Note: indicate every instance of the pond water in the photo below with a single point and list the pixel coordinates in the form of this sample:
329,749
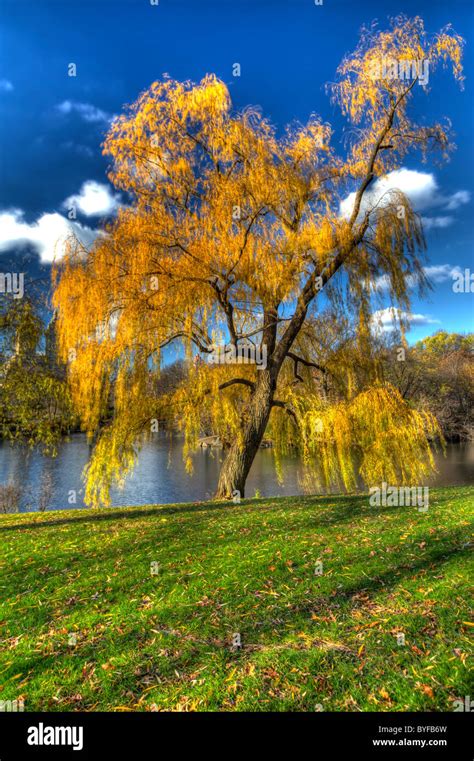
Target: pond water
160,477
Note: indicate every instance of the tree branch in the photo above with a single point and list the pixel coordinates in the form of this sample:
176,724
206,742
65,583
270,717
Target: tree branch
284,406
183,334
332,266
241,381
296,359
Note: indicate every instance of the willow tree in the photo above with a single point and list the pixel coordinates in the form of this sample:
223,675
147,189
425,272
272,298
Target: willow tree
235,234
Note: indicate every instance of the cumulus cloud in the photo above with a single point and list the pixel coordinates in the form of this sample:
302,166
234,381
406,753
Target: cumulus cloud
87,111
6,85
388,318
93,199
48,234
422,190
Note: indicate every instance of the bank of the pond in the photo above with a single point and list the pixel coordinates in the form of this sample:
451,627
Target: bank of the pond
339,606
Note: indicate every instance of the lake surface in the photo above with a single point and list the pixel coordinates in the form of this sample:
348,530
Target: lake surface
160,477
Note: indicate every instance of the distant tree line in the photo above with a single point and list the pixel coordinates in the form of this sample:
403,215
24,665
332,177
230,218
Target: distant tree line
438,373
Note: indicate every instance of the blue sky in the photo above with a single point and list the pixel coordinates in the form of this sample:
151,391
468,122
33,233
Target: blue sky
51,124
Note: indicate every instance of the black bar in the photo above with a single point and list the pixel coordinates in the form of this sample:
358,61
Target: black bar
155,735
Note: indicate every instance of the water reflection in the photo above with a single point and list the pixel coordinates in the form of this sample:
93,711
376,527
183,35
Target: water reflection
160,476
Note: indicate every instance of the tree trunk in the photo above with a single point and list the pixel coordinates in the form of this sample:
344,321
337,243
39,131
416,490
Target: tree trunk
239,458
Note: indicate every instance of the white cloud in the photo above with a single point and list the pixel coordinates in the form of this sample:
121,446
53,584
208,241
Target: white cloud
420,187
388,318
429,223
6,85
93,199
86,111
458,199
48,234
440,273
436,273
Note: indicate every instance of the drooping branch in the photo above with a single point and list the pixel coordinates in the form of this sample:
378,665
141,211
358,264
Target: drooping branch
310,290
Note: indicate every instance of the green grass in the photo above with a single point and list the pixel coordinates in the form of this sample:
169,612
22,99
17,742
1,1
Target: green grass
163,642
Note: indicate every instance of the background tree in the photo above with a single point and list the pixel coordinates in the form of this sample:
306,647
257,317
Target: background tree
231,235
446,381
435,374
35,404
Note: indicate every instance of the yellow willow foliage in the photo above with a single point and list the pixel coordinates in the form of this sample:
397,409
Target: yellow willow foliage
373,437
226,230
373,79
200,400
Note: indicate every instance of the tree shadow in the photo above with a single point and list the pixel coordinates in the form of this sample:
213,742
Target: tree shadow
353,504
192,653
128,513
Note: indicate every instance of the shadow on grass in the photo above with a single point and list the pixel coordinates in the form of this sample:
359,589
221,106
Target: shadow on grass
385,581
138,512
191,532
190,654
350,503
114,514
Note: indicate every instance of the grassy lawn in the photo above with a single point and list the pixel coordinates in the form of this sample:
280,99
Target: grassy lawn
86,625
